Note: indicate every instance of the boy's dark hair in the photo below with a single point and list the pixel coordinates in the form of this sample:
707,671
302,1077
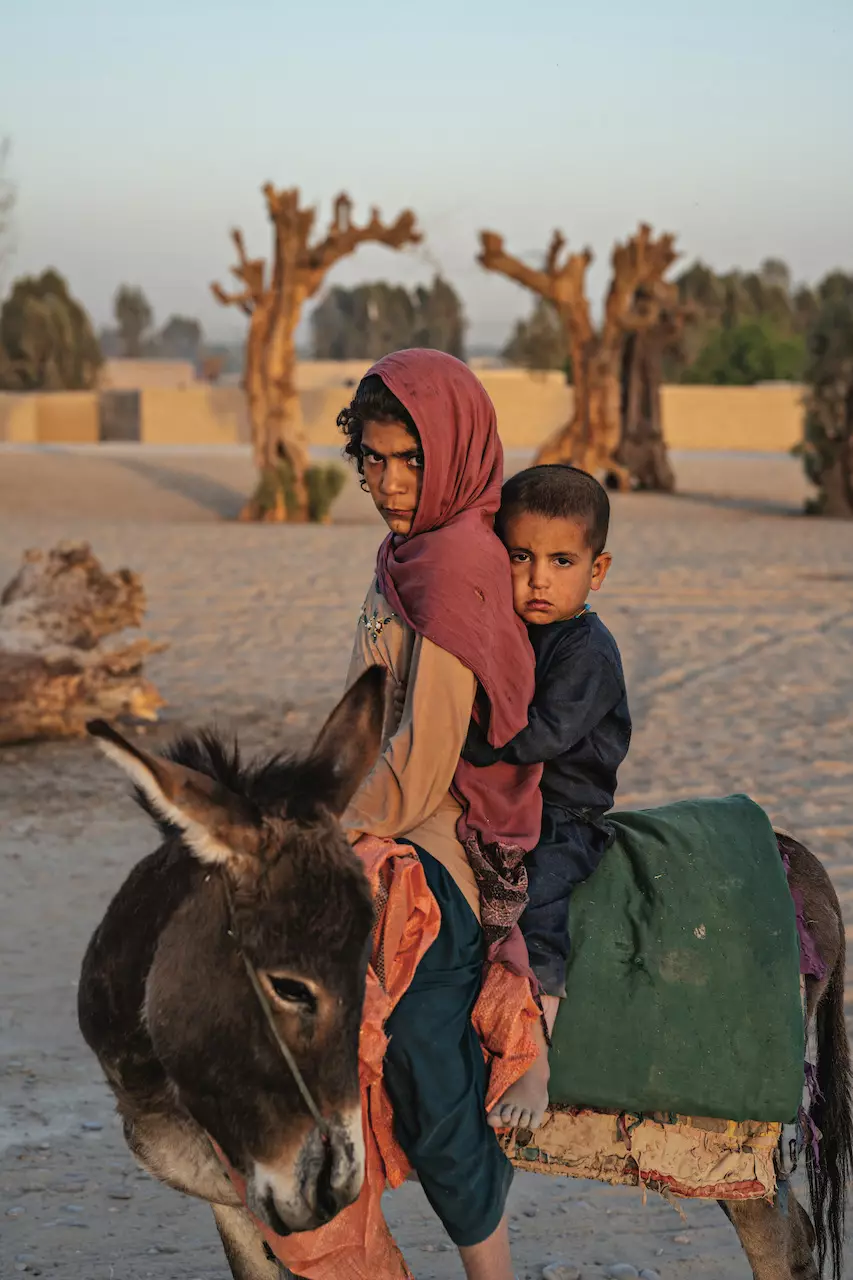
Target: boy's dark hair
558,491
372,402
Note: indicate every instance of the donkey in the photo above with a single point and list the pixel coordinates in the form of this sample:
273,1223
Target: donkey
222,992
222,995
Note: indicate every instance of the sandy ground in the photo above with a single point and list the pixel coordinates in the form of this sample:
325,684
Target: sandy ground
735,617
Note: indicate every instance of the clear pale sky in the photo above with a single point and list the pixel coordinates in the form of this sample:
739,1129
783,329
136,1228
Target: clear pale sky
141,132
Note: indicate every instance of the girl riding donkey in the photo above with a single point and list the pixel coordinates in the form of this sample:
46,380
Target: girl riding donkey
440,616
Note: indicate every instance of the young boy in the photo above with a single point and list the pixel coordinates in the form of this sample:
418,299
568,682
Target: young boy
553,521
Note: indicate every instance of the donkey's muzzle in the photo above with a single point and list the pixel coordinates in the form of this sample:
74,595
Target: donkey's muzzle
337,1181
326,1177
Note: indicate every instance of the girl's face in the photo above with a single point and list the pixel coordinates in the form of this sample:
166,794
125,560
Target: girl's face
393,471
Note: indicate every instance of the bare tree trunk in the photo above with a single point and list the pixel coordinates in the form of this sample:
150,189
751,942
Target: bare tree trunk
642,449
837,486
590,439
827,447
286,437
274,306
55,671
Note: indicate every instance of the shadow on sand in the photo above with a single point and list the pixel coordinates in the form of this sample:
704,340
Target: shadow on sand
211,494
748,503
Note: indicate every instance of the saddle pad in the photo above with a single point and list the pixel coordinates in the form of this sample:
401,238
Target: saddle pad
683,990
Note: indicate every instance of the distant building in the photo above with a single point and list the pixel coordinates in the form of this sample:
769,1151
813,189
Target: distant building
122,374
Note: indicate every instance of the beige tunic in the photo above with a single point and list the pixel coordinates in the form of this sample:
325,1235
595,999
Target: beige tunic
407,794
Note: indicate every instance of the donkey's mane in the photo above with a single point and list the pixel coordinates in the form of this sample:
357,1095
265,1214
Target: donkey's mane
272,782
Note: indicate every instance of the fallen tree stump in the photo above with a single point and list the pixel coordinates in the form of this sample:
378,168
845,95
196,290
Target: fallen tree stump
55,671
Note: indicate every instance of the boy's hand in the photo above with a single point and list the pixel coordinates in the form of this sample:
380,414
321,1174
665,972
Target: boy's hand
477,749
398,700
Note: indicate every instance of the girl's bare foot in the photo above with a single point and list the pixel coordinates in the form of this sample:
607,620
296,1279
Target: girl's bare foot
524,1104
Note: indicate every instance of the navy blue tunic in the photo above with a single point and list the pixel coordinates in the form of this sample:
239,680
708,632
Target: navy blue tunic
578,724
579,727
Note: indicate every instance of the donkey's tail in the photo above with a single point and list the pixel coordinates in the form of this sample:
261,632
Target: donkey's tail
830,1111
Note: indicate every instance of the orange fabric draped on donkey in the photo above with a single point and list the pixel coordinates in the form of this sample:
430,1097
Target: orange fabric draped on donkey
357,1244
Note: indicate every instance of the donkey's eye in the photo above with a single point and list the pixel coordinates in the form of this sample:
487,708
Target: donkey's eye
292,992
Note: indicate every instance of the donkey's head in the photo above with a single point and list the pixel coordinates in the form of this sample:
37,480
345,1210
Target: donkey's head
269,850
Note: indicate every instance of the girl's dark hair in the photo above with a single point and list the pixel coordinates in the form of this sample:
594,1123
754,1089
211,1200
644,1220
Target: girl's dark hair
372,402
558,491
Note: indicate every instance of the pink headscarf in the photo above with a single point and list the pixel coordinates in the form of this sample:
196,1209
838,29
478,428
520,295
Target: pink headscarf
449,580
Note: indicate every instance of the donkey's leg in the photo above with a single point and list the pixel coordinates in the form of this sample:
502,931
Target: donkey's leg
801,1240
248,1257
763,1231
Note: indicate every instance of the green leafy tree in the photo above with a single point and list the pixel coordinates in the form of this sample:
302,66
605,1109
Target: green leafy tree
746,327
750,351
439,319
7,208
47,338
372,319
331,325
180,339
805,306
390,319
362,323
775,274
134,318
539,341
827,447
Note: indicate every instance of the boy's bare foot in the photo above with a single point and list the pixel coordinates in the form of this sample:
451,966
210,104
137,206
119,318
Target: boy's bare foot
524,1103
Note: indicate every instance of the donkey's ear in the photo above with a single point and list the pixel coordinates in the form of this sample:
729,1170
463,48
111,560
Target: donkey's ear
215,823
350,739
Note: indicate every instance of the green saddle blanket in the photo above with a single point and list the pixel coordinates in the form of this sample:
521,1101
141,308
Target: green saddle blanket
683,990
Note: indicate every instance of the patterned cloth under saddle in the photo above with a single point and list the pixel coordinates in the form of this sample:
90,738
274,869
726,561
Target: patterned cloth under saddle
676,1155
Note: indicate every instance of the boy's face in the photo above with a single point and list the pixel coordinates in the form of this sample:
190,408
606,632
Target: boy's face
553,568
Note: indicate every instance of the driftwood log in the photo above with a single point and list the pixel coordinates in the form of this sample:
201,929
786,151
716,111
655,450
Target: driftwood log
56,672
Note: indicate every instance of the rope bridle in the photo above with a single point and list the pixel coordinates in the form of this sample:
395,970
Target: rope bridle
263,1000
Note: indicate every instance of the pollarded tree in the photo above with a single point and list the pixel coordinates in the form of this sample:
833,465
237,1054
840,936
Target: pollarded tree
273,301
639,302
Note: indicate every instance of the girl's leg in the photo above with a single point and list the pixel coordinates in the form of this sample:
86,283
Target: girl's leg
566,855
436,1079
524,1104
489,1260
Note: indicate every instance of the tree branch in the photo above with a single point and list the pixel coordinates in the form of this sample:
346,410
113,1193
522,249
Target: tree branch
640,263
494,257
250,271
243,300
344,235
558,244
564,286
